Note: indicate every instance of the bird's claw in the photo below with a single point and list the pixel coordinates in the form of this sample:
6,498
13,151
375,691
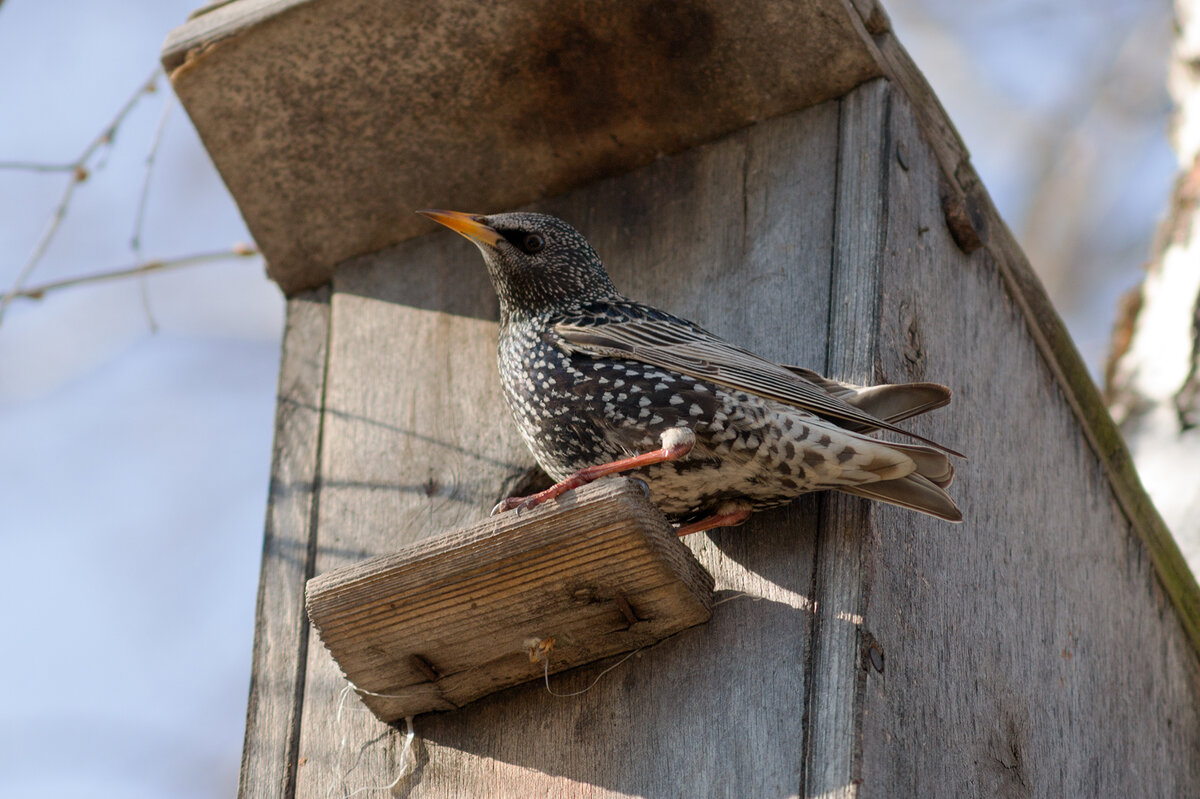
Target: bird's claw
641,484
514,503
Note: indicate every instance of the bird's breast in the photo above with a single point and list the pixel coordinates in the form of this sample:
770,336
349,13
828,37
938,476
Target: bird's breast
553,402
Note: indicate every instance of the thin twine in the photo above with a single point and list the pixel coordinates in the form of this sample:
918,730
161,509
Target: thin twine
739,595
405,751
545,658
546,673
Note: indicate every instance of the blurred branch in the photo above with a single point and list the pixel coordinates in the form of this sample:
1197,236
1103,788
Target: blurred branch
135,242
1113,97
79,169
37,292
29,166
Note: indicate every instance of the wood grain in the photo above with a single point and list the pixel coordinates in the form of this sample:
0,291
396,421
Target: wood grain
449,619
281,629
961,191
216,21
416,442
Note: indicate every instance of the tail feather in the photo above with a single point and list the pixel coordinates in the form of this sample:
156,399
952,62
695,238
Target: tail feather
891,403
899,402
913,492
933,465
922,490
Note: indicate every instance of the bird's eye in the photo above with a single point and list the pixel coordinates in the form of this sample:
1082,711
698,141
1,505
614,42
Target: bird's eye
533,243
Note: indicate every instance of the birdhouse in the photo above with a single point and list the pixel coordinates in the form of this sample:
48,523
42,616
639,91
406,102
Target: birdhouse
782,174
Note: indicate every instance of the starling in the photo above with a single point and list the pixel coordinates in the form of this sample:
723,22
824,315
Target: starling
599,384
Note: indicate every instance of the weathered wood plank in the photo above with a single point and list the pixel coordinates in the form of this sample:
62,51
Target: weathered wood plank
831,745
1030,650
281,629
489,105
735,235
1101,433
450,619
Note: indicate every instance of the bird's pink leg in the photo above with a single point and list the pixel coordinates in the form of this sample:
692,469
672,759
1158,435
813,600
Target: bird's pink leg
729,516
676,442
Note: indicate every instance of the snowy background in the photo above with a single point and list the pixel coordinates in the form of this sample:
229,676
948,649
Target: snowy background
134,462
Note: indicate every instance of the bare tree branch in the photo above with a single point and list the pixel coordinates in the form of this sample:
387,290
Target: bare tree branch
79,172
135,242
30,166
37,292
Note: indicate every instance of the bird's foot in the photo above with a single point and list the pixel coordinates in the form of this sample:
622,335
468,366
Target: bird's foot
676,442
729,515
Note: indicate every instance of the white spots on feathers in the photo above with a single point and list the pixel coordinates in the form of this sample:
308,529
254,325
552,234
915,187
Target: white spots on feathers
575,411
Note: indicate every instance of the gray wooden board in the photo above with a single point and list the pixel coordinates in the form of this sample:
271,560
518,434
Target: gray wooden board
735,235
859,232
1029,651
281,628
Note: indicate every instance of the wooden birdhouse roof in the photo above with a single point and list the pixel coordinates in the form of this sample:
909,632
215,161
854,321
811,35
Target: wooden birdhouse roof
332,120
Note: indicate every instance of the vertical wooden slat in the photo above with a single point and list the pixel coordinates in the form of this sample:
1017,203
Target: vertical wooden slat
831,746
281,628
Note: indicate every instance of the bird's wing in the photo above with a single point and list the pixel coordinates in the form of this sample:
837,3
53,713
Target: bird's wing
685,348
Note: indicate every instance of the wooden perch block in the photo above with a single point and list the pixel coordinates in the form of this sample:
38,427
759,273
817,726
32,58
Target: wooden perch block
453,618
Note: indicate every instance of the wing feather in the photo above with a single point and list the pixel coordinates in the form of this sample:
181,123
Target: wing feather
677,345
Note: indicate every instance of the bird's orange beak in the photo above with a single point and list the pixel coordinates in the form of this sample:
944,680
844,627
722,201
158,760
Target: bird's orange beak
466,224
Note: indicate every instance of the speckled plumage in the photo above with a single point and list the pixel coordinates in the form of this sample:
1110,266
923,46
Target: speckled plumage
591,376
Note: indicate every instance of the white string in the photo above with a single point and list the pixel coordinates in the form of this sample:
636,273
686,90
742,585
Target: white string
546,672
342,744
405,751
738,595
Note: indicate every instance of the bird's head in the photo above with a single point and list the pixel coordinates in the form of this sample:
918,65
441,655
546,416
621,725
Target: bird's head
537,263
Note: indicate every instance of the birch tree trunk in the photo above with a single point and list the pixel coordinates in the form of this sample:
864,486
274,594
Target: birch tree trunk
1153,385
